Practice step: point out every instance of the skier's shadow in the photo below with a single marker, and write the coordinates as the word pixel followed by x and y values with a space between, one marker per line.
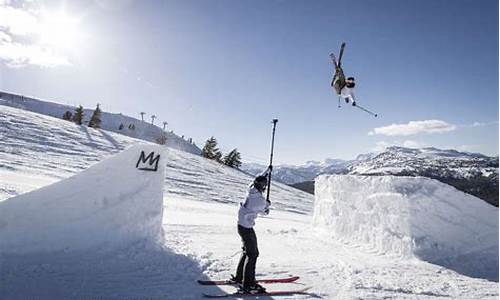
pixel 110 139
pixel 133 272
pixel 305 295
pixel 91 141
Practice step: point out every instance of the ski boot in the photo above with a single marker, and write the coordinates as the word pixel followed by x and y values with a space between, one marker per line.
pixel 234 280
pixel 254 289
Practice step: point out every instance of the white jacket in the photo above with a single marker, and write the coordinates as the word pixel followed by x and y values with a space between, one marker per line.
pixel 347 93
pixel 254 204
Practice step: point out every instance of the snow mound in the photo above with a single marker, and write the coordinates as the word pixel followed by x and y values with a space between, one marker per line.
pixel 410 217
pixel 115 202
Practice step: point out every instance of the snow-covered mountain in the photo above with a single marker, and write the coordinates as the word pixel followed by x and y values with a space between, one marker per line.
pixel 290 174
pixel 398 160
pixel 473 173
pixel 114 122
pixel 200 241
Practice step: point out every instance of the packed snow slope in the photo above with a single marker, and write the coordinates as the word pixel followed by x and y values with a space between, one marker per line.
pixel 410 217
pixel 115 122
pixel 112 204
pixel 200 208
pixel 34 144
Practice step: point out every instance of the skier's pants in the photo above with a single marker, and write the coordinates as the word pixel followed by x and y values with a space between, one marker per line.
pixel 246 266
pixel 338 80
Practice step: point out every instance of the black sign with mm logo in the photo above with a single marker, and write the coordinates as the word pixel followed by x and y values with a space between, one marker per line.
pixel 148 163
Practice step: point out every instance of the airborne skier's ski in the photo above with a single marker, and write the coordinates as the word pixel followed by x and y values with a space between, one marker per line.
pixel 264 280
pixel 334 60
pixel 340 54
pixel 243 295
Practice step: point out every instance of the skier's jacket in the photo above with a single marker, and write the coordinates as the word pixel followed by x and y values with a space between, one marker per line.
pixel 347 93
pixel 254 204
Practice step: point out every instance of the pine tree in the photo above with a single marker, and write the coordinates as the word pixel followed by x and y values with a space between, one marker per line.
pixel 95 120
pixel 67 116
pixel 78 116
pixel 210 150
pixel 218 156
pixel 120 127
pixel 233 159
pixel 227 159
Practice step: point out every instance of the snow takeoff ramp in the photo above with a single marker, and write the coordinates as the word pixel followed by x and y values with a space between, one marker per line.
pixel 410 217
pixel 113 203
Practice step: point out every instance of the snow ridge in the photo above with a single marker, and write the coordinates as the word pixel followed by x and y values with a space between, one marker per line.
pixel 110 121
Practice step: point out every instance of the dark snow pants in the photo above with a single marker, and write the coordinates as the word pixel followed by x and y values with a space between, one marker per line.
pixel 246 267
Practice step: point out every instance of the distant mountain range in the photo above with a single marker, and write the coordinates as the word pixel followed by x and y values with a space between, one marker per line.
pixel 472 173
pixel 290 174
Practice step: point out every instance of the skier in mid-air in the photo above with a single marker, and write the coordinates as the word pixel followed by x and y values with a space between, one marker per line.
pixel 344 87
pixel 254 204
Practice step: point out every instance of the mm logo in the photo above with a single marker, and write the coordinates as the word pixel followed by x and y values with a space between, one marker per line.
pixel 148 163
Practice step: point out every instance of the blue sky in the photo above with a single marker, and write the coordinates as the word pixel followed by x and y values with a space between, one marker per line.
pixel 226 68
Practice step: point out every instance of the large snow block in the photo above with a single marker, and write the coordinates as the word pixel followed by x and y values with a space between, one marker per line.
pixel 410 217
pixel 115 202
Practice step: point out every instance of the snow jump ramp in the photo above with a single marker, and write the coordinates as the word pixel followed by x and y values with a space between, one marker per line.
pixel 410 217
pixel 114 202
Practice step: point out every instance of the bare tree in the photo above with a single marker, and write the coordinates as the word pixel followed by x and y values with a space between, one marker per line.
pixel 153 117
pixel 165 125
pixel 142 115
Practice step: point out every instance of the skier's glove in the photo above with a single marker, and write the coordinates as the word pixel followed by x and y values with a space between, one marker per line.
pixel 266 210
pixel 270 168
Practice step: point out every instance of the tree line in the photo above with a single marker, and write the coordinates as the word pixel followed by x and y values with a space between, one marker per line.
pixel 77 117
pixel 210 151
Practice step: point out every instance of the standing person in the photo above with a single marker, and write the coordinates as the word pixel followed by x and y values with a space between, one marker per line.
pixel 254 204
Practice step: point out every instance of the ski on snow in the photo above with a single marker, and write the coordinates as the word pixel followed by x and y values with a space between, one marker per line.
pixel 264 280
pixel 270 293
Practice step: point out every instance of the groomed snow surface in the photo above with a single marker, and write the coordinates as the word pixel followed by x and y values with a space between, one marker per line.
pixel 394 244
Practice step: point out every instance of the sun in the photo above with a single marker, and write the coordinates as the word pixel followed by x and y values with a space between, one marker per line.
pixel 59 30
